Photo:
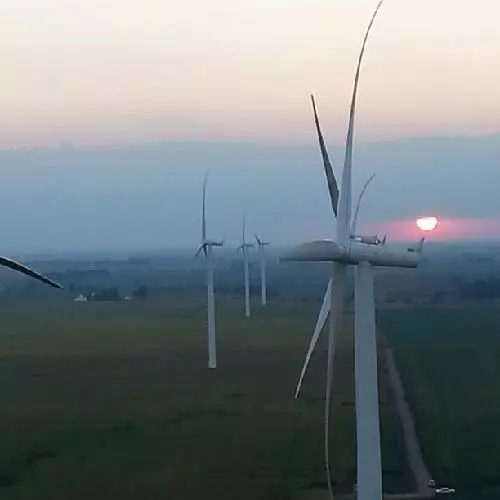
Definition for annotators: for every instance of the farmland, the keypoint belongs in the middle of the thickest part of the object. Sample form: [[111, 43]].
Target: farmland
[[109, 400], [113, 400], [449, 360]]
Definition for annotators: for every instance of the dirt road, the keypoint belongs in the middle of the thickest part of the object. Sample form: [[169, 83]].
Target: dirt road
[[412, 444]]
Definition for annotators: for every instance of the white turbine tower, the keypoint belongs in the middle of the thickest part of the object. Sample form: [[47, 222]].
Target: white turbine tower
[[262, 257], [206, 247], [347, 251], [244, 247], [16, 266]]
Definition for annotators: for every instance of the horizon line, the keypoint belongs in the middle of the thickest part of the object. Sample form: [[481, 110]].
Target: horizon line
[[275, 247], [68, 145]]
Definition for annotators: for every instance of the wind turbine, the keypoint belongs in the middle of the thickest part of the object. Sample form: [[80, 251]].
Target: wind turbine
[[244, 247], [263, 283], [371, 240], [325, 307], [344, 252], [16, 266], [206, 247]]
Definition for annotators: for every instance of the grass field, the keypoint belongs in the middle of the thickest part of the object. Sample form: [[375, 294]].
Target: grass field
[[449, 359], [114, 401]]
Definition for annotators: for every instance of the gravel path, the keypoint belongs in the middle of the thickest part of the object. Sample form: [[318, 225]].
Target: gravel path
[[412, 445]]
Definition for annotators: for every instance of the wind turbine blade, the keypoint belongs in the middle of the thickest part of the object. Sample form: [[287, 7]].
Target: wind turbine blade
[[243, 240], [259, 241], [204, 209], [336, 308], [320, 323], [344, 215], [202, 248], [420, 245], [16, 266], [358, 204], [333, 188], [369, 462]]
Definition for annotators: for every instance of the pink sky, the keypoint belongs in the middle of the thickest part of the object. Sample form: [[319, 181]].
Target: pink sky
[[108, 72], [448, 229]]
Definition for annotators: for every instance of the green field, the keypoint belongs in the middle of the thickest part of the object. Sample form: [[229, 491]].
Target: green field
[[449, 359], [113, 401]]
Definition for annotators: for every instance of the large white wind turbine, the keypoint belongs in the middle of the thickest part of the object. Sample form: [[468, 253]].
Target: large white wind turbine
[[244, 247], [344, 252], [16, 266], [206, 247], [262, 257], [371, 240], [325, 307]]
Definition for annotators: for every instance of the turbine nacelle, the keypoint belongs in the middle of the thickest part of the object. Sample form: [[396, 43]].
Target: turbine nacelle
[[261, 243], [369, 240], [245, 246], [212, 243], [354, 253]]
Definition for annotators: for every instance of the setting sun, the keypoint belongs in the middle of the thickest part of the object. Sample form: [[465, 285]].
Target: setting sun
[[427, 223]]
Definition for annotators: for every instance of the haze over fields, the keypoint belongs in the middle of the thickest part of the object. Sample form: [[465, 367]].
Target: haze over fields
[[149, 196]]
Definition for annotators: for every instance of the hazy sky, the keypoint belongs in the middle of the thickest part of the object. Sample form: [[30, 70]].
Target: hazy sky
[[225, 84], [115, 72], [150, 196]]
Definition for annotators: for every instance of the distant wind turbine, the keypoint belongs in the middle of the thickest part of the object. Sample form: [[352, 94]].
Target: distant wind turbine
[[244, 247], [206, 247], [263, 284], [344, 252]]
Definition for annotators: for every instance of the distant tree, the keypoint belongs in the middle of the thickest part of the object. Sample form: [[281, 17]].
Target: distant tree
[[139, 261], [141, 292], [481, 289], [437, 297], [108, 294]]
